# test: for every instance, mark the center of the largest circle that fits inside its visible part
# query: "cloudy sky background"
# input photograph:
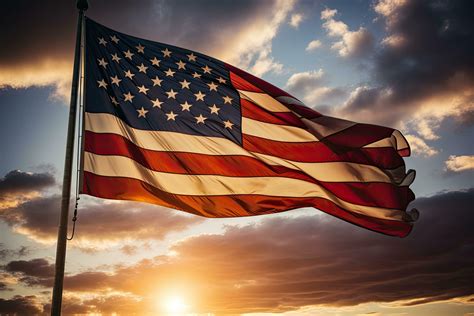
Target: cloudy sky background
(402, 63)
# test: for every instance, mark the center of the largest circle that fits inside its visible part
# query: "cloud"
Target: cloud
(6, 253)
(283, 264)
(311, 87)
(423, 71)
(352, 43)
(227, 30)
(419, 147)
(20, 305)
(313, 45)
(296, 19)
(17, 186)
(99, 224)
(460, 163)
(35, 272)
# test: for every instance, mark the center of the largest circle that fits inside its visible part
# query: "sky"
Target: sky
(401, 63)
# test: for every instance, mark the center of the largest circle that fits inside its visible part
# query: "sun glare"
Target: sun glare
(175, 305)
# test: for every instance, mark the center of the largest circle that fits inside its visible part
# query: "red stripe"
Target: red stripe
(240, 83)
(255, 112)
(358, 135)
(385, 158)
(228, 206)
(304, 111)
(369, 194)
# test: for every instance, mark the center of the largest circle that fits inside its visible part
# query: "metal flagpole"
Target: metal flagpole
(82, 6)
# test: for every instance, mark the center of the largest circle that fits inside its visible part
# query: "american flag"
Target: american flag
(174, 127)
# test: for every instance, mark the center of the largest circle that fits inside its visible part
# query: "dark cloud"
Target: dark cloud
(427, 54)
(18, 182)
(32, 272)
(40, 45)
(4, 287)
(8, 253)
(286, 263)
(178, 22)
(98, 222)
(20, 305)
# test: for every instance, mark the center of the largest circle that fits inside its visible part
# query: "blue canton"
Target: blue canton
(159, 87)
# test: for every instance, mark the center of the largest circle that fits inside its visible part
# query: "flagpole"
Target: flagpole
(82, 6)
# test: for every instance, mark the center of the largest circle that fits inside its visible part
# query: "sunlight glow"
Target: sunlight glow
(175, 305)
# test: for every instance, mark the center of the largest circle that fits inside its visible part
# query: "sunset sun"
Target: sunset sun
(174, 305)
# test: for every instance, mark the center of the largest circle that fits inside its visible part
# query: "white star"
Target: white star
(102, 62)
(142, 112)
(200, 119)
(128, 54)
(170, 73)
(143, 89)
(157, 81)
(155, 61)
(129, 74)
(185, 84)
(214, 109)
(114, 39)
(115, 57)
(227, 99)
(102, 84)
(128, 97)
(196, 75)
(206, 69)
(140, 48)
(142, 68)
(185, 106)
(166, 52)
(221, 80)
(171, 94)
(199, 96)
(171, 116)
(192, 57)
(115, 80)
(114, 101)
(157, 103)
(181, 65)
(102, 41)
(212, 86)
(228, 124)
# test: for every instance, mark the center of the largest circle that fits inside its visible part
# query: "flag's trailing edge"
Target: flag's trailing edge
(177, 128)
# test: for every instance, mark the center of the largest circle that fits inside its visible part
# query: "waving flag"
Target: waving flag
(177, 128)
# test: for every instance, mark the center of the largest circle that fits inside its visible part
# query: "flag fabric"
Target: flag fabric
(177, 128)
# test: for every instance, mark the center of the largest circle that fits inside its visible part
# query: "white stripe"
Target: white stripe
(263, 100)
(281, 133)
(212, 185)
(396, 140)
(171, 141)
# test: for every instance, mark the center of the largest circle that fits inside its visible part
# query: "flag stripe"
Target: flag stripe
(281, 133)
(229, 206)
(253, 111)
(325, 125)
(240, 83)
(359, 135)
(264, 100)
(385, 158)
(209, 185)
(170, 141)
(388, 195)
